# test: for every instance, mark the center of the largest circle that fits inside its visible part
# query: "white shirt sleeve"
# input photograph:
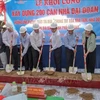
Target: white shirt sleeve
(51, 37)
(33, 43)
(5, 39)
(43, 35)
(16, 34)
(26, 47)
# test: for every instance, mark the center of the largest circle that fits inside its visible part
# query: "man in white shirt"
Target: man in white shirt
(27, 53)
(10, 39)
(56, 45)
(36, 38)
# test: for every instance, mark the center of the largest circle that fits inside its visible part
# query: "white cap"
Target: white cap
(23, 29)
(70, 27)
(89, 27)
(9, 25)
(54, 25)
(35, 26)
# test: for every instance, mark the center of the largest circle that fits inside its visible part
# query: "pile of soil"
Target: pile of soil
(49, 72)
(87, 96)
(50, 92)
(72, 91)
(96, 77)
(37, 73)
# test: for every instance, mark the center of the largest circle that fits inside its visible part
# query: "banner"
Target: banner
(64, 12)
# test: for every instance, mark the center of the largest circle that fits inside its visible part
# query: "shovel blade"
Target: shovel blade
(35, 70)
(9, 68)
(20, 72)
(86, 76)
(72, 70)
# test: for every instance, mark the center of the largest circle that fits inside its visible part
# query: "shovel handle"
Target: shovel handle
(37, 67)
(11, 49)
(85, 66)
(88, 76)
(50, 54)
(75, 51)
(20, 57)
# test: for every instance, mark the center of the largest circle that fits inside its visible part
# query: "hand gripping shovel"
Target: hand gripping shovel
(86, 76)
(37, 67)
(49, 70)
(20, 72)
(73, 69)
(9, 67)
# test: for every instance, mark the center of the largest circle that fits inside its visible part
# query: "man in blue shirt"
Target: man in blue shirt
(27, 53)
(69, 42)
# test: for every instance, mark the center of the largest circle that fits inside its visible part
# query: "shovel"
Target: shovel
(9, 67)
(73, 69)
(37, 67)
(20, 72)
(86, 76)
(49, 70)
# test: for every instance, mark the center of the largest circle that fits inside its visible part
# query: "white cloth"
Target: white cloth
(21, 96)
(36, 39)
(56, 40)
(25, 42)
(7, 90)
(3, 58)
(10, 36)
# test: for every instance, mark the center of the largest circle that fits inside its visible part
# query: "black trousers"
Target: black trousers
(70, 56)
(35, 56)
(14, 55)
(91, 61)
(27, 59)
(57, 58)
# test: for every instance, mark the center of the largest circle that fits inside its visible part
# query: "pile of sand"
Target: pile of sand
(87, 96)
(72, 91)
(50, 92)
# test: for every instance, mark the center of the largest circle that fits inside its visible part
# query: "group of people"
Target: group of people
(32, 44)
